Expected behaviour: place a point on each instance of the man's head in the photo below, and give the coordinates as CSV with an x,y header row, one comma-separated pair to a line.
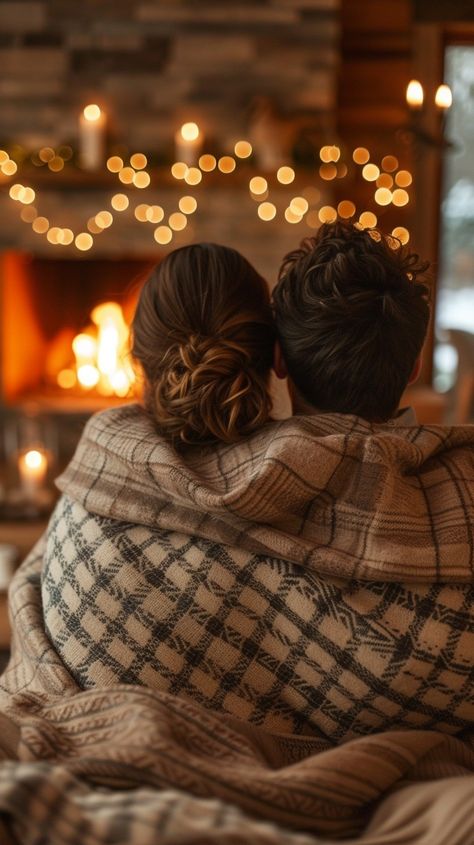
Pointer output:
x,y
351,318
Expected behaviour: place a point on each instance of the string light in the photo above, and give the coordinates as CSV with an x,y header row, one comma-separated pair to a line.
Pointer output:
x,y
370,172
346,209
327,214
138,161
119,202
243,149
28,214
114,164
177,221
285,175
163,235
389,163
403,178
126,175
368,220
104,219
400,197
193,176
258,185
141,179
291,217
361,155
266,211
141,212
402,234
179,169
328,171
383,196
154,214
40,225
187,205
83,241
226,164
207,163
299,205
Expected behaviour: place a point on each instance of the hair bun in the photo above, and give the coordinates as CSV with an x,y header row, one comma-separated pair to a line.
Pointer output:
x,y
208,391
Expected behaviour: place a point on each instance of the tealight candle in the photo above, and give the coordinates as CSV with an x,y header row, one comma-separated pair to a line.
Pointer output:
x,y
33,468
92,125
188,143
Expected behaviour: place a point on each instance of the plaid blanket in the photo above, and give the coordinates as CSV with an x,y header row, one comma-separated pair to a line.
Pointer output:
x,y
316,578
133,766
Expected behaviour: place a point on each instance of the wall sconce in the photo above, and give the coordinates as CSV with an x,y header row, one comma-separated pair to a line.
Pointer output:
x,y
415,98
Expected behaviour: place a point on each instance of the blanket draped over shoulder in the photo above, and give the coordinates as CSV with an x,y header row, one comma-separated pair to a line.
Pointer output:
x,y
316,578
134,766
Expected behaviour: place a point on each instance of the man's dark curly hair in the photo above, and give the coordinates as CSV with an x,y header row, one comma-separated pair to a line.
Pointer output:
x,y
351,317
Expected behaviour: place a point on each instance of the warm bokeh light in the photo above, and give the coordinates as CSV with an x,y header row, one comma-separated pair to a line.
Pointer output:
x,y
34,459
383,196
243,149
126,175
226,164
285,175
83,241
414,95
163,235
179,170
328,171
93,227
299,205
53,235
341,170
258,185
141,213
346,209
66,379
9,168
138,161
207,163
400,197
141,179
16,192
92,112
114,164
189,131
56,164
327,214
389,163
120,202
443,97
40,225
401,233
291,217
4,157
28,213
104,219
177,221
403,178
266,211
46,154
384,181
84,347
361,155
28,196
187,205
154,214
193,176
67,237
88,375
370,172
368,220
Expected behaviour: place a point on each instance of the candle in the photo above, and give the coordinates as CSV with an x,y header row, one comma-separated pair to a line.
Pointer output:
x,y
188,143
92,124
415,94
32,467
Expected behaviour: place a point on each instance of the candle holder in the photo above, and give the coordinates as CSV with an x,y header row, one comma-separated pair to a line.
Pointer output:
x,y
30,452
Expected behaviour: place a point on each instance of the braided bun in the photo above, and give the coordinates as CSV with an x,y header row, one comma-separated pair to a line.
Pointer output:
x,y
206,359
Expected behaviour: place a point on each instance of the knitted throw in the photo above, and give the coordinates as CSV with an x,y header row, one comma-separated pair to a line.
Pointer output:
x,y
315,578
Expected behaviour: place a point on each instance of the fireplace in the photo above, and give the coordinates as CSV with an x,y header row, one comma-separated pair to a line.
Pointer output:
x,y
45,305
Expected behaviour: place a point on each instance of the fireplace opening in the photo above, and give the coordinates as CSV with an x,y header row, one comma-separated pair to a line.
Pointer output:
x,y
64,328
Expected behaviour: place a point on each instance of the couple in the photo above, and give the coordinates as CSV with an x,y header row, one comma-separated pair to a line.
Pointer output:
x,y
308,576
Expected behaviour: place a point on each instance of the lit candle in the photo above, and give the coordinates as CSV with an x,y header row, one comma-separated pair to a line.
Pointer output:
x,y
415,94
92,124
33,467
188,143
443,97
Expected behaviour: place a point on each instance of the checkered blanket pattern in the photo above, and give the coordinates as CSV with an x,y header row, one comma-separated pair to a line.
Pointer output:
x,y
254,636
128,765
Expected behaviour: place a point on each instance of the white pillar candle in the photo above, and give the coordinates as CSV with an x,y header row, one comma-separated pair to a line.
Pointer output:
x,y
33,468
188,143
92,126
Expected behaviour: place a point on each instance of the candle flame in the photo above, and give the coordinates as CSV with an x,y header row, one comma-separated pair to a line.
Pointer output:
x,y
34,459
92,112
415,94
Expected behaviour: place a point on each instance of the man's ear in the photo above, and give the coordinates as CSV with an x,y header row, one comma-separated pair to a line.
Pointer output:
x,y
279,365
416,370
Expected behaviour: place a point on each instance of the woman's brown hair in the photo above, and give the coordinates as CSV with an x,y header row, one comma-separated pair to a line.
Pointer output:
x,y
203,334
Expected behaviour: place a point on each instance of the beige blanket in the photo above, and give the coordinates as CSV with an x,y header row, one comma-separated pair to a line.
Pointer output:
x,y
227,576
131,765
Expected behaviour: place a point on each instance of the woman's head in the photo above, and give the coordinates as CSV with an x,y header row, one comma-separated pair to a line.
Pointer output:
x,y
203,334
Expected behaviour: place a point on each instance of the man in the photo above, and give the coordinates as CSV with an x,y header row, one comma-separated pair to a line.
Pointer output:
x,y
351,318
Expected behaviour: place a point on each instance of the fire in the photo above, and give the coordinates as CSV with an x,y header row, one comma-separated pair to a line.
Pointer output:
x,y
102,355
